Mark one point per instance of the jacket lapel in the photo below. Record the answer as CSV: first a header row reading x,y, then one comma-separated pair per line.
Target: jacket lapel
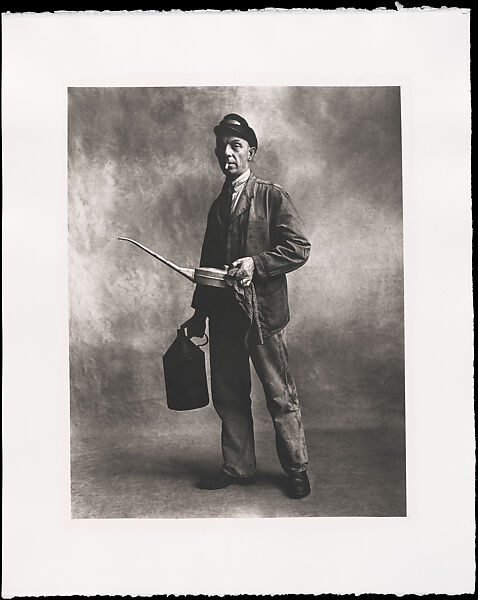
x,y
246,197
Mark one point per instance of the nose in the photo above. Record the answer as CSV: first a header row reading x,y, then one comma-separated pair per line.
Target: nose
x,y
228,150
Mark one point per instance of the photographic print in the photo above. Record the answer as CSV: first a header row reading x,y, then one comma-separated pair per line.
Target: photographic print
x,y
241,352
237,303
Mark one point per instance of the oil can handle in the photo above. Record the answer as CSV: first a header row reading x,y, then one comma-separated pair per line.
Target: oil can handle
x,y
207,340
183,328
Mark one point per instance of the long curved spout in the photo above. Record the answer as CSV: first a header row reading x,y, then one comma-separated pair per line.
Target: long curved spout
x,y
188,273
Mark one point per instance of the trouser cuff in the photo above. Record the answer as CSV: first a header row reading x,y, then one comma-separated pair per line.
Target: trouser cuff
x,y
301,469
233,473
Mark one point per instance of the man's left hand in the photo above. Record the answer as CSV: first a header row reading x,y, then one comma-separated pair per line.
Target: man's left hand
x,y
245,270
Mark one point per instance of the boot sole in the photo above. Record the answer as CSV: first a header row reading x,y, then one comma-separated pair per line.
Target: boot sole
x,y
222,487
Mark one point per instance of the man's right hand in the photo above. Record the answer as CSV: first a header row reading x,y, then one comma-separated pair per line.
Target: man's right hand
x,y
196,325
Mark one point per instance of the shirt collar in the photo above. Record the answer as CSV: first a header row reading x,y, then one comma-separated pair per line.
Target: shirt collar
x,y
241,179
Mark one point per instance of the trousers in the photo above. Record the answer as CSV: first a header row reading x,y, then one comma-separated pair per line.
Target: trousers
x,y
230,351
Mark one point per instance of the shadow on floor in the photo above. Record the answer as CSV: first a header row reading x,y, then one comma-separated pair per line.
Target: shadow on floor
x,y
123,475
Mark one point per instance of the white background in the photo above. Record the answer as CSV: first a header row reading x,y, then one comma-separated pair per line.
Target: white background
x,y
430,551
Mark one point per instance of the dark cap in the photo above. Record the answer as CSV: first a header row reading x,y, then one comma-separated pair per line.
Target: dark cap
x,y
236,125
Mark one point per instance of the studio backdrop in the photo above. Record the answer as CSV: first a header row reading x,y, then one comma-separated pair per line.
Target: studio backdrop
x,y
142,165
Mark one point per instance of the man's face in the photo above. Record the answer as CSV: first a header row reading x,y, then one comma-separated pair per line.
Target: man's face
x,y
233,154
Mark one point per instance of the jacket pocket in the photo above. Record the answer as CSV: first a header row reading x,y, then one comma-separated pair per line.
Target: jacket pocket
x,y
269,286
273,304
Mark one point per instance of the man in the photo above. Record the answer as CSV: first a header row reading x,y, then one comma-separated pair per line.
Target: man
x,y
254,227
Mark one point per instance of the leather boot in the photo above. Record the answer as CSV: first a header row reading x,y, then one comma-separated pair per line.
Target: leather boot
x,y
298,485
222,480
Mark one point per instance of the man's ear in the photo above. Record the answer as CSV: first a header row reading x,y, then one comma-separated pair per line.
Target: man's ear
x,y
252,151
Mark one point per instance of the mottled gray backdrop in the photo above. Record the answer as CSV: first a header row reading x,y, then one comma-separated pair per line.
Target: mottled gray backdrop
x,y
142,165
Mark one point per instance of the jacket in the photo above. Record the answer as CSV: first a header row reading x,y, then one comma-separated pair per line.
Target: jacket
x,y
265,225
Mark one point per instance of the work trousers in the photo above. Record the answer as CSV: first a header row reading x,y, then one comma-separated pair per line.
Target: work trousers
x,y
230,350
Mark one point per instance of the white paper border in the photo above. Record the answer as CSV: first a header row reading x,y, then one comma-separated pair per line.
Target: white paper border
x,y
432,550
